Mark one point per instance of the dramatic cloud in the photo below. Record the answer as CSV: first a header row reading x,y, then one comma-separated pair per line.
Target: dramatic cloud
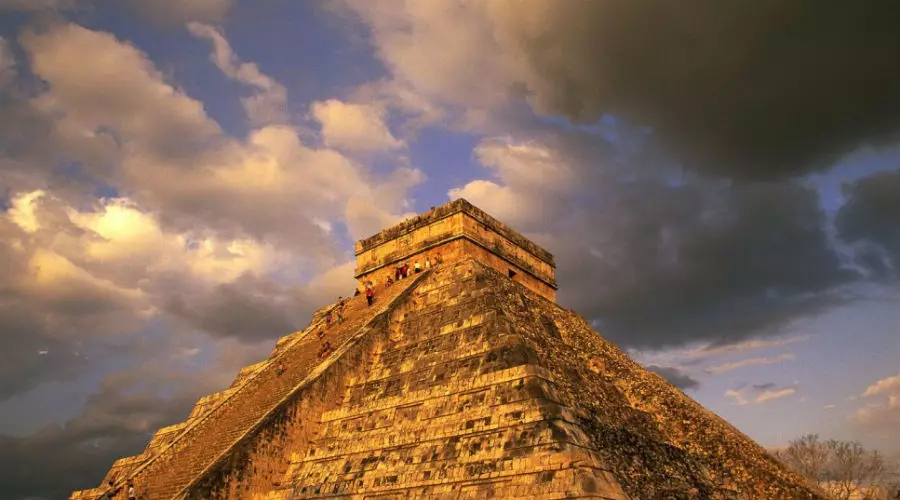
x,y
174,157
715,261
675,377
760,89
758,394
249,308
882,417
97,104
269,102
869,221
207,222
88,289
883,386
695,355
712,262
177,12
50,305
208,246
727,367
354,127
117,421
36,5
530,186
769,395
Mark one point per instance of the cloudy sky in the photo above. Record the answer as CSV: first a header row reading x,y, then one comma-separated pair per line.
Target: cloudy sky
x,y
181,182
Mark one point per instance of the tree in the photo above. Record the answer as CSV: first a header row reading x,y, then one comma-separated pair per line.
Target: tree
x,y
806,455
844,469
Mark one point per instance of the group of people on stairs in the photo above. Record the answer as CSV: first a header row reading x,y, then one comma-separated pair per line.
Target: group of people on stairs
x,y
335,314
403,270
114,490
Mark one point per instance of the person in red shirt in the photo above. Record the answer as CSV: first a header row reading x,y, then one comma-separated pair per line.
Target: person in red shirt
x,y
370,295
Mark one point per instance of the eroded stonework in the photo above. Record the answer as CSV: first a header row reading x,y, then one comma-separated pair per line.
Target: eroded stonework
x,y
458,382
453,232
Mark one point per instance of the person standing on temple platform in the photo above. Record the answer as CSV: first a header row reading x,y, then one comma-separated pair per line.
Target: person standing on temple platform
x,y
417,267
132,494
390,280
405,271
370,296
427,262
397,270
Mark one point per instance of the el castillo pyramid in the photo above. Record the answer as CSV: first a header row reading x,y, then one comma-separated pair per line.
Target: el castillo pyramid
x,y
463,381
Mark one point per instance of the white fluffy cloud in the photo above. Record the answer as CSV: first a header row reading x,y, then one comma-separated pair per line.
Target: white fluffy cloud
x,y
884,386
115,104
759,361
769,395
354,127
150,138
442,51
758,394
883,415
529,184
232,239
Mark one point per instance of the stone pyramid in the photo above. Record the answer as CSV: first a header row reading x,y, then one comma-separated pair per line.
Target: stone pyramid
x,y
463,381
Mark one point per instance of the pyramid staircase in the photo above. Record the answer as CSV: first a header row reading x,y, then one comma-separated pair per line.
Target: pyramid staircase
x,y
461,383
180,454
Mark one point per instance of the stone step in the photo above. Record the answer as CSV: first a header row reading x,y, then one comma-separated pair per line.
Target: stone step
x,y
205,442
501,439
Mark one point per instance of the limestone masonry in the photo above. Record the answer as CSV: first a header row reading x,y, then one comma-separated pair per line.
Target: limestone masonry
x,y
456,231
464,381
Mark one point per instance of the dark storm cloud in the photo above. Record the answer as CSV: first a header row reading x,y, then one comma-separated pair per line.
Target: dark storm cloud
x,y
870,219
42,327
757,89
662,265
116,422
675,377
250,309
29,353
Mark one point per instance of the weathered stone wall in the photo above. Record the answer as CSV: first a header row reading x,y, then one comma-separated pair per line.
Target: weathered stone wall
x,y
257,463
415,244
496,241
485,390
467,386
467,233
522,275
179,455
439,213
661,443
449,404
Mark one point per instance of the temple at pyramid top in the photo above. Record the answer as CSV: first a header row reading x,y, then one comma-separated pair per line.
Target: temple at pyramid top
x,y
457,231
